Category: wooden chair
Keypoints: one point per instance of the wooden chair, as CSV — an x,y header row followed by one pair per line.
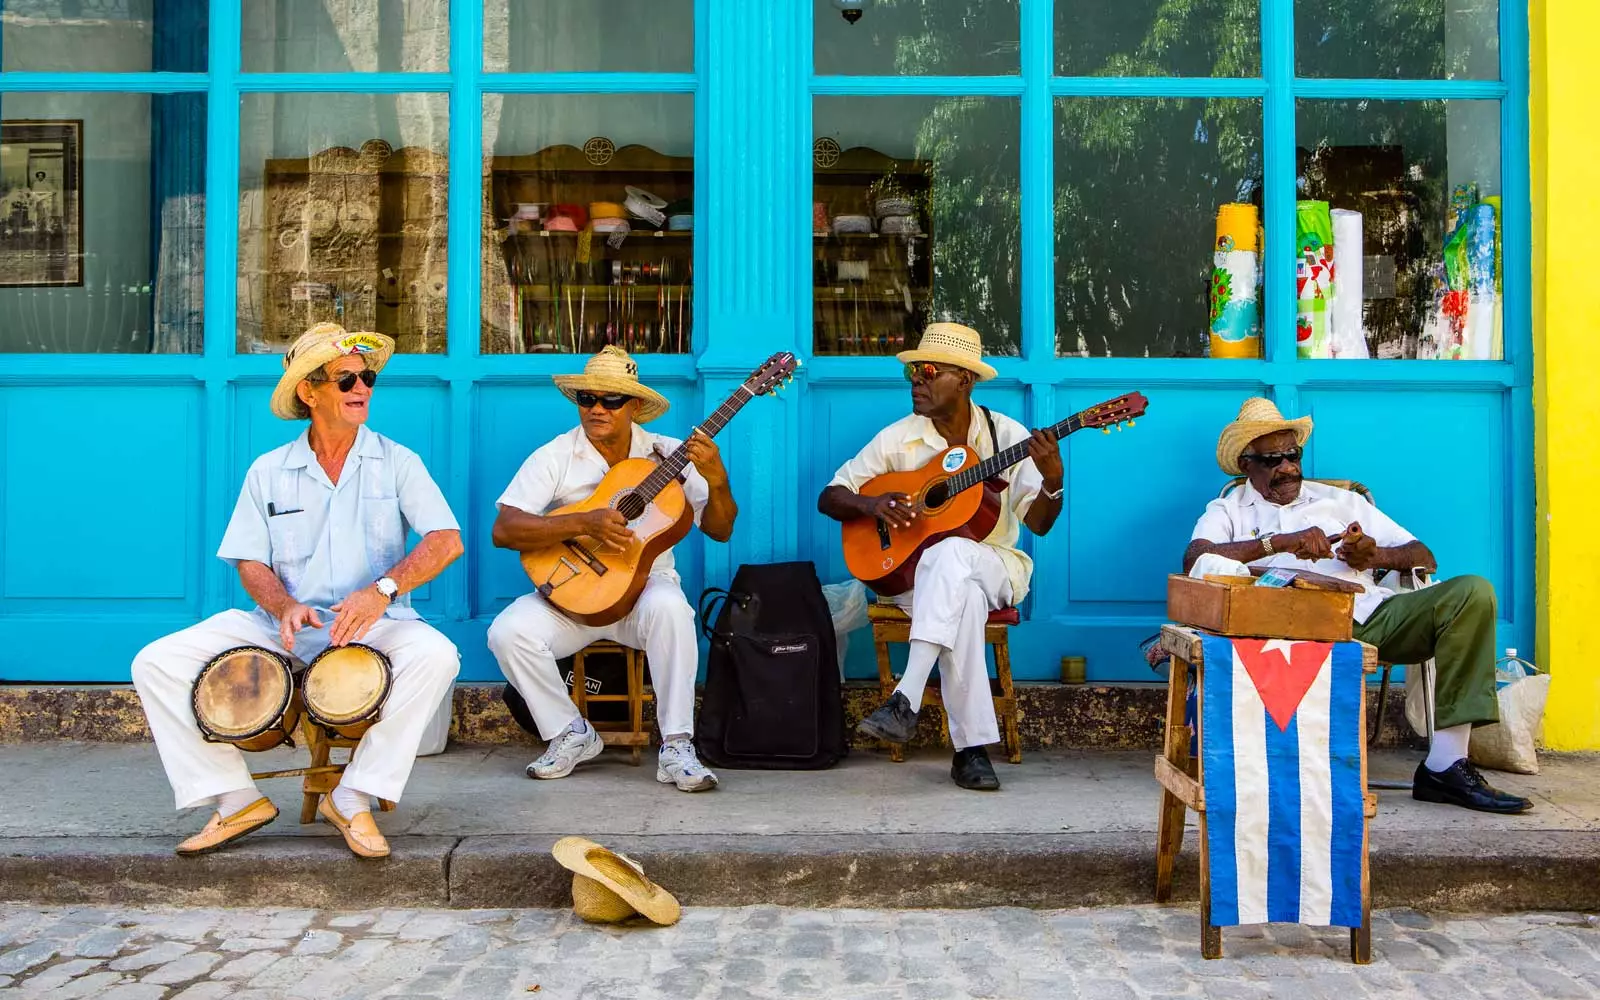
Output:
x,y
891,624
633,733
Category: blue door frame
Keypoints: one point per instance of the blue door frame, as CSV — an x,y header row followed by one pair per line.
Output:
x,y
109,530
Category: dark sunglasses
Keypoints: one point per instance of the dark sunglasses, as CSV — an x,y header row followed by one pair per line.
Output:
x,y
347,381
1273,459
611,401
918,372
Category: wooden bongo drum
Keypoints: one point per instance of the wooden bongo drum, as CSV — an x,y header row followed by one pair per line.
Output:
x,y
246,696
345,688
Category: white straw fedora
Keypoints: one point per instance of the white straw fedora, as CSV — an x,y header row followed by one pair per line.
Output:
x,y
950,344
1256,417
612,370
608,887
316,347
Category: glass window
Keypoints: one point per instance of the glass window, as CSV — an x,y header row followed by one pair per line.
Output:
x,y
1140,188
916,218
1158,38
342,217
1408,194
103,36
339,36
915,37
1398,39
102,222
588,36
588,225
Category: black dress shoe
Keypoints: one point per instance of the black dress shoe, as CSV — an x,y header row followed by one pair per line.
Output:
x,y
1460,784
971,769
893,721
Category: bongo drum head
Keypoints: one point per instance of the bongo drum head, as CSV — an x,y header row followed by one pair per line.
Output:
x,y
242,692
346,684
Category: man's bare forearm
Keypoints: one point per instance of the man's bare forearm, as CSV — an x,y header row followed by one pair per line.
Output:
x,y
264,587
1246,551
840,503
1412,555
525,532
720,513
437,550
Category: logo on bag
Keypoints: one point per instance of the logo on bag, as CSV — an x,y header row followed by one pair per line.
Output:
x,y
953,459
794,648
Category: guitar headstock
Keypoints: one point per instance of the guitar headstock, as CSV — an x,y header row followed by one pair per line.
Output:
x,y
772,374
1123,409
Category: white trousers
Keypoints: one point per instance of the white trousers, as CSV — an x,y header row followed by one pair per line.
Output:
x,y
530,635
424,665
958,583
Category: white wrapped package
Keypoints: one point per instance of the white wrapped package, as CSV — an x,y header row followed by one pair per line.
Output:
x,y
1348,335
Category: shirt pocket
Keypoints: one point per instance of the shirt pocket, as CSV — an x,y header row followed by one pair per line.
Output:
x,y
291,547
385,531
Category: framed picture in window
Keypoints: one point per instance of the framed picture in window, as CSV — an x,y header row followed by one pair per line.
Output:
x,y
41,203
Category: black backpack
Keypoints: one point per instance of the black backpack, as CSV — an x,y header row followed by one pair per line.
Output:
x,y
772,699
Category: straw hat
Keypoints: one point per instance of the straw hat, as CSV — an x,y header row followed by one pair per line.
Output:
x,y
951,344
612,370
1256,417
316,347
608,888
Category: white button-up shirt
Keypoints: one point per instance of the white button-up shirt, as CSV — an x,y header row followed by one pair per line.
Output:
x,y
327,541
912,442
569,468
1245,514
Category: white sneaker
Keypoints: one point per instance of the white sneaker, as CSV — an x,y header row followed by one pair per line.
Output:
x,y
566,752
678,765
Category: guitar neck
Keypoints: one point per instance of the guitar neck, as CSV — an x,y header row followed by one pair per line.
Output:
x,y
1005,459
673,465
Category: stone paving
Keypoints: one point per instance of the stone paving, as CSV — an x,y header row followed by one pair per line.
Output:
x,y
1127,953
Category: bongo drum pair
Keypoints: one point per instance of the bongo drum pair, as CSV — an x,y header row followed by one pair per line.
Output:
x,y
248,696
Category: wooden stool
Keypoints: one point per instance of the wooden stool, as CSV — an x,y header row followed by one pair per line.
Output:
x,y
625,734
1182,781
322,776
890,623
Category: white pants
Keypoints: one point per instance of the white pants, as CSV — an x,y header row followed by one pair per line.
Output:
x,y
424,665
530,635
958,583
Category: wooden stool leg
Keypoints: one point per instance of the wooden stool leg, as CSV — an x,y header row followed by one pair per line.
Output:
x,y
897,752
319,758
1169,830
636,700
1210,936
1008,690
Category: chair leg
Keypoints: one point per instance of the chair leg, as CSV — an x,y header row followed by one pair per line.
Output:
x,y
1383,703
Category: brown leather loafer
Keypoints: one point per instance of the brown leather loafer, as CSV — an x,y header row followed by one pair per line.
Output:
x,y
221,832
360,831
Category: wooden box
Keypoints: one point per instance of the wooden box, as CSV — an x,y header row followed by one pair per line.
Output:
x,y
1272,612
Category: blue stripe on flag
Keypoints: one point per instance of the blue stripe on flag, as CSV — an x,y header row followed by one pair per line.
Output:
x,y
1344,748
1283,821
1217,758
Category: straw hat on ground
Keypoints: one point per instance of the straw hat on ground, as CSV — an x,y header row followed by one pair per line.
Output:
x,y
608,888
950,344
316,347
1256,417
612,370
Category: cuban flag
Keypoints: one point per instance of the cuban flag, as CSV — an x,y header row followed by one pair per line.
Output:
x,y
1282,769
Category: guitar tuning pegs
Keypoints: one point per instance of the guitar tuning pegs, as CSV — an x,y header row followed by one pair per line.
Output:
x,y
1119,428
1105,430
1130,423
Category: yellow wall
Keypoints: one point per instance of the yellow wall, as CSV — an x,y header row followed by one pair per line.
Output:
x,y
1566,331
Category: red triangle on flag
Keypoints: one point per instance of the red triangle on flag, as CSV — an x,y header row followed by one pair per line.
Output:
x,y
1282,674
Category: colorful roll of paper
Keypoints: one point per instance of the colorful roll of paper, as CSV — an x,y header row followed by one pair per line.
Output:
x,y
1313,277
1235,328
1348,330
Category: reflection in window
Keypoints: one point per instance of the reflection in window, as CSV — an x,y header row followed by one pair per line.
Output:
x,y
342,217
102,223
916,219
1398,39
916,37
1141,187
588,36
1158,38
103,36
1409,195
341,36
588,225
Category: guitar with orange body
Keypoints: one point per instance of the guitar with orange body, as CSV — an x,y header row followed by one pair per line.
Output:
x,y
954,496
597,586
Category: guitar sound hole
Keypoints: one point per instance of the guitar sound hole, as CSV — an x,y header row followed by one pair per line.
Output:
x,y
936,496
631,505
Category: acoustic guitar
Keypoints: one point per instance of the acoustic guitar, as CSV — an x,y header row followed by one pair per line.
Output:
x,y
597,586
954,496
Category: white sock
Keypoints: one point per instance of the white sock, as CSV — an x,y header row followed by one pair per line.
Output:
x,y
919,667
1449,746
349,801
229,803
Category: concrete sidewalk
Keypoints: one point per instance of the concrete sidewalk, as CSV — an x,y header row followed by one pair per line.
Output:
x,y
93,822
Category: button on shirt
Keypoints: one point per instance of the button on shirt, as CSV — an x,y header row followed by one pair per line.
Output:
x,y
326,541
569,468
1245,514
911,442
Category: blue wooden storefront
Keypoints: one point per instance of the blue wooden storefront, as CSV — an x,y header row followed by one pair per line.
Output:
x,y
119,471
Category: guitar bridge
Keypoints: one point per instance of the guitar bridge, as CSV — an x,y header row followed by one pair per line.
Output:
x,y
588,558
547,588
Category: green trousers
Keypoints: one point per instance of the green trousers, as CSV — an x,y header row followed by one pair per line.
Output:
x,y
1452,623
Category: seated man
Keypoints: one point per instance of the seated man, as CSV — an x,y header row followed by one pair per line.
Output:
x,y
320,527
531,634
958,581
1277,519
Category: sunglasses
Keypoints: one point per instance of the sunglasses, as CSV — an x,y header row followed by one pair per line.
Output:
x,y
347,381
1272,460
611,401
918,372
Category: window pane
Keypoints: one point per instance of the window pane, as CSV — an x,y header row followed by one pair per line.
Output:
x,y
1398,39
102,222
1422,181
342,217
916,37
1140,185
588,234
103,36
1158,38
588,36
916,219
345,36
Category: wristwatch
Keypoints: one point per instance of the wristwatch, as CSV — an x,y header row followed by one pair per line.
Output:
x,y
387,587
1266,543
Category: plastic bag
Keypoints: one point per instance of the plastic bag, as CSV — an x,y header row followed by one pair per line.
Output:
x,y
1512,743
847,605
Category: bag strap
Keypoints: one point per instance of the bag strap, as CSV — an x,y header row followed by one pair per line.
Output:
x,y
711,601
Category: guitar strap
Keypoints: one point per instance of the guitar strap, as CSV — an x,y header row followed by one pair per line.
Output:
x,y
998,481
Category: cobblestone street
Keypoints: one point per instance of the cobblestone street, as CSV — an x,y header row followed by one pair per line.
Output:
x,y
1097,954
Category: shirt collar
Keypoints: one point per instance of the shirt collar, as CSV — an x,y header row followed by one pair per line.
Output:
x,y
302,457
1249,497
921,429
640,443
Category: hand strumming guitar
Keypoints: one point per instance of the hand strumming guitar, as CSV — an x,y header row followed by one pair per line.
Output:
x,y
608,527
894,509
